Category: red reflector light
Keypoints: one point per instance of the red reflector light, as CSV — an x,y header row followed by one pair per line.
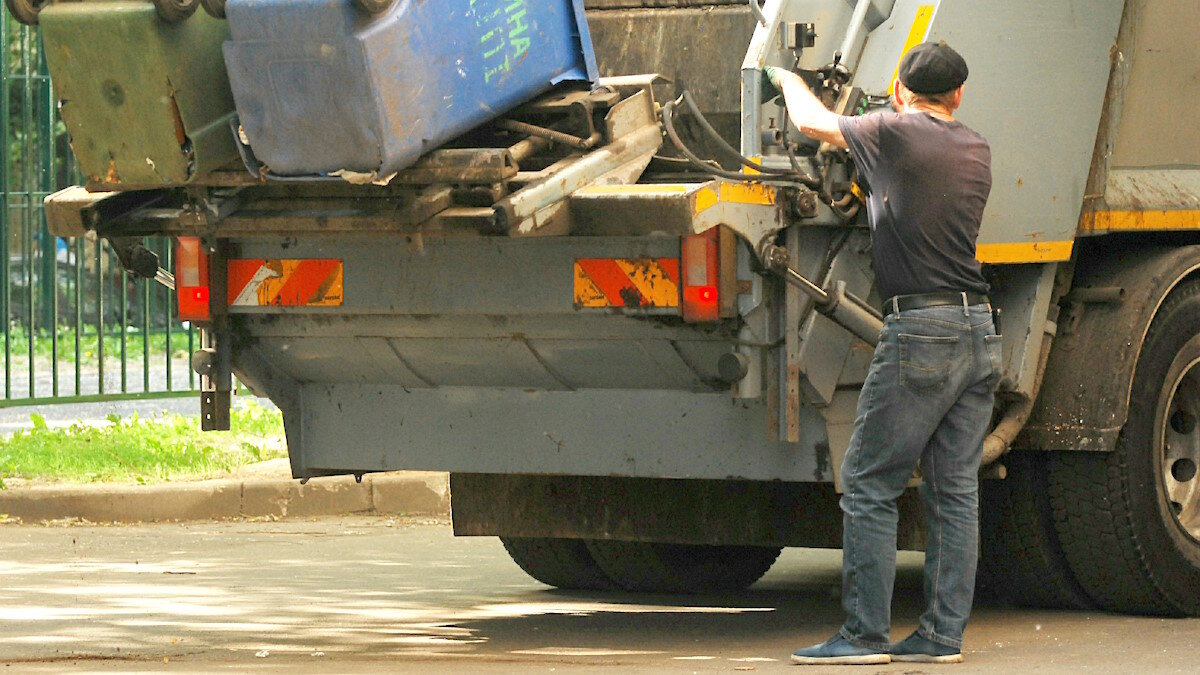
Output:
x,y
699,263
191,280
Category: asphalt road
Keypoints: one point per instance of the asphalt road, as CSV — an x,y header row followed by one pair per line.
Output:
x,y
379,595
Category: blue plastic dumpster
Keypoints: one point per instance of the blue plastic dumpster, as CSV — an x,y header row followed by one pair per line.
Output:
x,y
321,86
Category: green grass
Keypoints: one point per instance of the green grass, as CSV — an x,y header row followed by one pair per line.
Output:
x,y
43,345
170,447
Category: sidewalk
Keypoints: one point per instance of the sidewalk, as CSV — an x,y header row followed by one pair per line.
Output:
x,y
266,491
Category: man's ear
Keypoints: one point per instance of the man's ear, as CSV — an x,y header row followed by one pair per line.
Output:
x,y
897,104
958,94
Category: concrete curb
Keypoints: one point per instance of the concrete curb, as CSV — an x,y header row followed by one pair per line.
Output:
x,y
400,493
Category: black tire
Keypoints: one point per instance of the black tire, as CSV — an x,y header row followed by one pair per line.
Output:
x,y
1021,559
679,568
374,6
1128,549
173,11
214,8
562,563
25,11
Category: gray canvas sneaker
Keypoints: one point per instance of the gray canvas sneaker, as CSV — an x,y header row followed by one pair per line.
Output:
x,y
916,649
838,651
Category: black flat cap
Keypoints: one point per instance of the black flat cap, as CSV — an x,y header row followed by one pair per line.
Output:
x,y
933,68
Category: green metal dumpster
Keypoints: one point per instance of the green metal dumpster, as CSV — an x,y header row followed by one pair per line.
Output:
x,y
146,103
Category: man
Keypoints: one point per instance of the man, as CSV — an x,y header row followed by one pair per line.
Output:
x,y
928,395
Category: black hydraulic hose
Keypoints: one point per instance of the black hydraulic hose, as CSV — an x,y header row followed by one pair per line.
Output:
x,y
796,171
839,207
845,208
846,214
668,117
686,97
849,205
826,189
787,146
671,160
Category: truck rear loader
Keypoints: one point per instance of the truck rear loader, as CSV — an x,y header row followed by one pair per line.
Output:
x,y
568,253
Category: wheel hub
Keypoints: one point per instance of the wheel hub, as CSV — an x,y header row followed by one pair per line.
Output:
x,y
1181,450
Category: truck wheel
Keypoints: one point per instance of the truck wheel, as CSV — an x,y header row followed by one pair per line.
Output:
x,y
1129,521
680,568
1021,558
173,11
215,8
562,563
25,11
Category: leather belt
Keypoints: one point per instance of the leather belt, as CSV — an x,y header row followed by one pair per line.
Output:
x,y
900,303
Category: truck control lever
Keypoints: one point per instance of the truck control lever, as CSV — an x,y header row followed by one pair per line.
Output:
x,y
844,308
140,261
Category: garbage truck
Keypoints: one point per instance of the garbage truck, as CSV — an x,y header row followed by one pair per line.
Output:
x,y
566,252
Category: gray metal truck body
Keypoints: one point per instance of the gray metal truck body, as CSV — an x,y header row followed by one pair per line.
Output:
x,y
461,334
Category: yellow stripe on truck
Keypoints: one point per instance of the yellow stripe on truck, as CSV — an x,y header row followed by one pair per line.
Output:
x,y
1025,252
636,189
1135,221
747,193
916,35
734,193
1096,222
705,200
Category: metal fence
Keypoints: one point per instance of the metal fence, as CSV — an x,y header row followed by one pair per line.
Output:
x,y
76,327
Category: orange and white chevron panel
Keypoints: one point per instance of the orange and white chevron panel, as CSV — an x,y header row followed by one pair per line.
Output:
x,y
618,282
285,283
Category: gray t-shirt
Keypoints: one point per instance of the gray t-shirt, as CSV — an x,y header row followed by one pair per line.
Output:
x,y
929,180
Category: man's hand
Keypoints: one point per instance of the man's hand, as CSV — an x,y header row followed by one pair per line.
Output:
x,y
769,88
806,111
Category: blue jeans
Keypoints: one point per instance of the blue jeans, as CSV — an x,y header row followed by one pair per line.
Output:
x,y
927,399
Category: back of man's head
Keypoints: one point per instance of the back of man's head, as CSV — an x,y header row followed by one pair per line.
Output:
x,y
932,68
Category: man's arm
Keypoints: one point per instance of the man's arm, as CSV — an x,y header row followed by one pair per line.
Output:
x,y
806,111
